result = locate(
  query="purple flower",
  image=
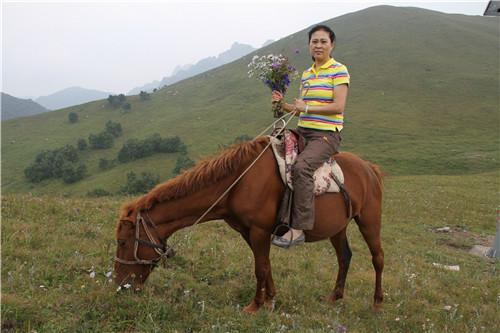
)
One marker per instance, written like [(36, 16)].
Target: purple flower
[(341, 328)]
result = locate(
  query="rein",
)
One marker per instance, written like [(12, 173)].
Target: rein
[(285, 123)]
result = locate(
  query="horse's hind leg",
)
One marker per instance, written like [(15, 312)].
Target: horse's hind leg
[(344, 254), (370, 224)]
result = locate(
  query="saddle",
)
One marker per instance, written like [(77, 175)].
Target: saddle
[(327, 178)]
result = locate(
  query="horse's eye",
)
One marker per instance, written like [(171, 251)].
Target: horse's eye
[(120, 242)]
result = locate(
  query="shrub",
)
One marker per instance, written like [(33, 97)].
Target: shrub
[(72, 117), (105, 164), (144, 95), (141, 184), (102, 140), (135, 149), (242, 138), (116, 100), (183, 163), (113, 128), (98, 192), (126, 106), (61, 162), (82, 144), (73, 172)]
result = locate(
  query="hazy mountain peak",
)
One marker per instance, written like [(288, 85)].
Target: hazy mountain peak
[(13, 107), (181, 72), (71, 96)]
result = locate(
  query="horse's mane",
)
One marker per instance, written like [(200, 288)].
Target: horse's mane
[(205, 173)]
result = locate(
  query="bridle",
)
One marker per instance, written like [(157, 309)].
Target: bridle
[(162, 249)]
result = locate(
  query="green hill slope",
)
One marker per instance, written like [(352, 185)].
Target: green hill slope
[(423, 100)]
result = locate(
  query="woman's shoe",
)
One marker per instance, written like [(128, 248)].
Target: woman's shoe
[(287, 243)]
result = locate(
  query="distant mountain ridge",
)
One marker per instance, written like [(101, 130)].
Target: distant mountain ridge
[(70, 97), (13, 107), (182, 72)]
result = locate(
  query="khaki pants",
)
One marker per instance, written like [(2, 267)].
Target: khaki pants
[(321, 145)]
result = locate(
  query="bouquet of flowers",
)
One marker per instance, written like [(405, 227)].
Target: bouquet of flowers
[(276, 73)]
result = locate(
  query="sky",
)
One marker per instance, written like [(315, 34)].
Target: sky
[(115, 46)]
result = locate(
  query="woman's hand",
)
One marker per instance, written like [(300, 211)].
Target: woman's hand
[(299, 105), (276, 96)]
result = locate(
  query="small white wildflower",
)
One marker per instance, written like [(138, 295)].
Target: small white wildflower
[(127, 285), (108, 274), (92, 274), (447, 307), (397, 319)]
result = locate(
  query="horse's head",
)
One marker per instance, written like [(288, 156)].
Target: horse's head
[(134, 261)]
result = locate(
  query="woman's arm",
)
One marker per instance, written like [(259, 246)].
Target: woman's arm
[(337, 107)]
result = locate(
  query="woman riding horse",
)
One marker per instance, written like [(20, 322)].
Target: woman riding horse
[(321, 118)]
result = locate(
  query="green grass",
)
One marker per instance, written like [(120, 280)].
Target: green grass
[(55, 242), (429, 106)]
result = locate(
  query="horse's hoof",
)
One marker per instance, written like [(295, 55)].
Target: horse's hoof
[(333, 299), (251, 308), (270, 304), (377, 307)]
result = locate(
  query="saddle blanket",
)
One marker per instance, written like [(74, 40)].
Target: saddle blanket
[(286, 151)]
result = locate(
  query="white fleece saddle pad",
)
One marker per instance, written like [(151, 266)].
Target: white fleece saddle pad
[(286, 152)]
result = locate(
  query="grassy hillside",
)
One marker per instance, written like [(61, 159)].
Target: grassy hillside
[(50, 246), (423, 100)]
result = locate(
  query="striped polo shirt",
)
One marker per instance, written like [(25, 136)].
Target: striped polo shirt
[(317, 89)]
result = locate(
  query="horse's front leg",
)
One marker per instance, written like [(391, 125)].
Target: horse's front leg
[(260, 242)]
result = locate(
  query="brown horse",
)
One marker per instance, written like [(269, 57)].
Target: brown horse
[(250, 208)]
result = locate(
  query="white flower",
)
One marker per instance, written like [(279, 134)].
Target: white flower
[(92, 274), (108, 274)]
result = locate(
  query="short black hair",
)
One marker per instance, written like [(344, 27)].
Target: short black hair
[(323, 28)]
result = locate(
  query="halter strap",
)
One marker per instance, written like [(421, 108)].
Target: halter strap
[(164, 251)]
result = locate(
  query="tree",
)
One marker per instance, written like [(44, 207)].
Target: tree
[(183, 163), (73, 117), (82, 144)]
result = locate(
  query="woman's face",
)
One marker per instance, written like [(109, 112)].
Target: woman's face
[(320, 46)]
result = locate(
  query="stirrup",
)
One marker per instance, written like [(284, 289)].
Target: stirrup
[(287, 243)]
